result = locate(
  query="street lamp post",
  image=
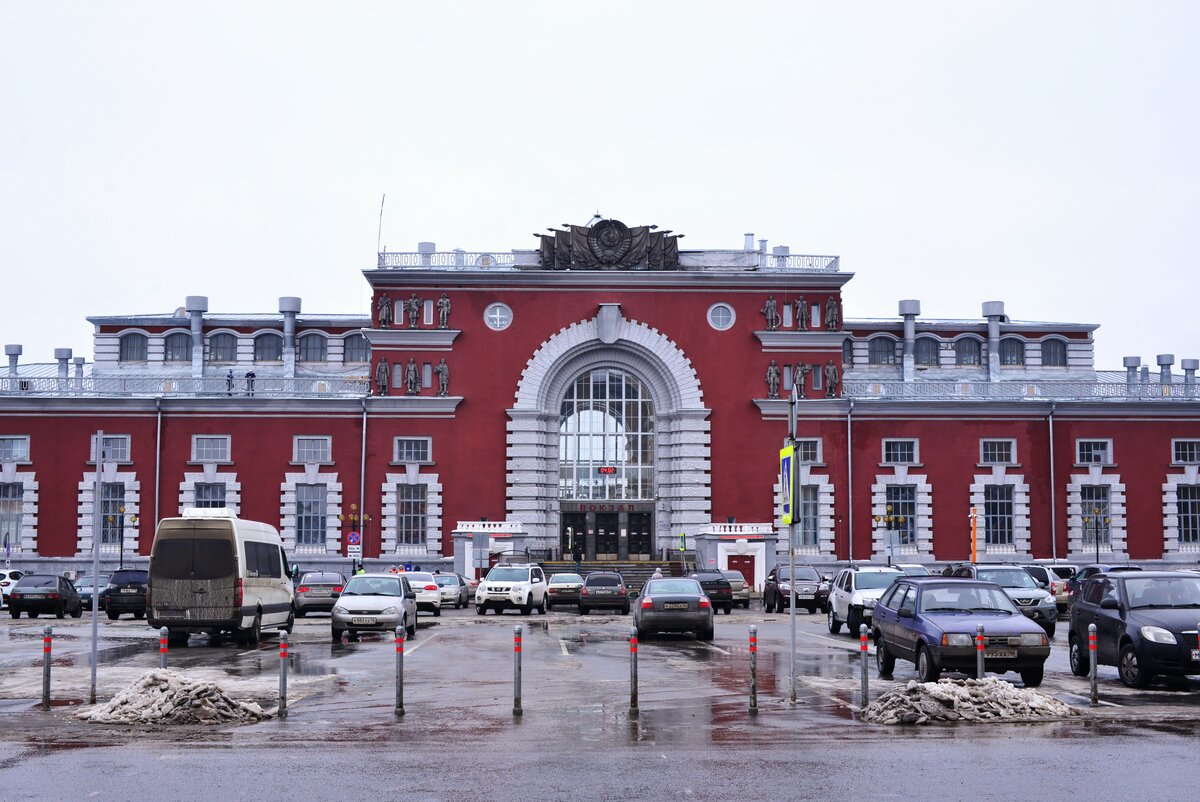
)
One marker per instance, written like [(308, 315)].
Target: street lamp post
[(1094, 522), (891, 522), (355, 521), (133, 519)]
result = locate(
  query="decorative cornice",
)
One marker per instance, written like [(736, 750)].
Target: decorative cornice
[(414, 404), (825, 340), (417, 339), (700, 281)]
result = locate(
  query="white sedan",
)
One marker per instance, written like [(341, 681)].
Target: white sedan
[(429, 595)]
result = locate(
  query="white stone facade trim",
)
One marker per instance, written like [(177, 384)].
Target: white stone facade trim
[(1021, 545), (210, 475), (312, 475), (825, 491), (1115, 549), (433, 513), (1190, 475), (26, 542), (85, 521), (922, 550)]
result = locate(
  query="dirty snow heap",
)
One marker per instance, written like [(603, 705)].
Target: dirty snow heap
[(988, 699), (164, 697)]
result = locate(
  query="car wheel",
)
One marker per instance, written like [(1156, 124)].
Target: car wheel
[(853, 622), (336, 635), (113, 616), (583, 610), (543, 607), (705, 634), (1130, 668), (1079, 657), (1032, 677), (812, 610), (885, 661), (835, 626), (139, 614), (352, 635), (480, 609), (61, 612), (15, 613), (1049, 626), (176, 639), (768, 607), (625, 610), (411, 629), (290, 624), (527, 607), (437, 611), (77, 612), (251, 636), (927, 669), (32, 614)]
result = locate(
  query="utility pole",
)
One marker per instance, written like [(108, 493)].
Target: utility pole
[(97, 522), (792, 541)]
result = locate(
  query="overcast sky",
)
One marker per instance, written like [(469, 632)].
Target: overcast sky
[(1044, 154)]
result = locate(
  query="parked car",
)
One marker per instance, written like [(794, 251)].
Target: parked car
[(811, 592), (563, 589), (1034, 602), (854, 593), (1089, 571), (375, 603), (931, 622), (44, 593), (317, 591), (741, 590), (1050, 582), (512, 586), (8, 578), (677, 604), (604, 590), (1145, 624), (717, 588), (88, 588), (126, 593), (429, 595), (454, 590)]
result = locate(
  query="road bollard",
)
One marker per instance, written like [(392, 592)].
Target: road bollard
[(633, 678), (980, 647), (1092, 663), (517, 670), (400, 671), (753, 669), (283, 668), (862, 659), (47, 645), (162, 647)]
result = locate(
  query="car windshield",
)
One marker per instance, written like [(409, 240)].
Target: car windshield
[(873, 580), (915, 570), (419, 578), (38, 582), (733, 576), (603, 581), (1008, 577), (566, 579), (445, 581), (322, 579), (372, 586), (688, 587), (964, 598), (803, 573), (508, 575), (1163, 592), (1063, 571), (129, 576)]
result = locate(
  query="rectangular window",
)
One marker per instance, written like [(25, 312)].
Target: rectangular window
[(14, 448), (312, 449), (11, 507), (1189, 513), (902, 509), (427, 374), (900, 452), (997, 452), (1187, 452), (1094, 516), (410, 514), (1089, 452), (112, 513), (116, 448), (411, 449), (808, 451), (428, 310), (210, 448), (998, 514), (210, 494), (310, 515), (807, 508)]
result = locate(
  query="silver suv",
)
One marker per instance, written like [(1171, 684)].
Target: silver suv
[(854, 593), (519, 586), (1021, 588)]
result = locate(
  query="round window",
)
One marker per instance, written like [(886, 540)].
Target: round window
[(721, 316), (498, 317)]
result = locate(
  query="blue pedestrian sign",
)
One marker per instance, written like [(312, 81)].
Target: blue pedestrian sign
[(354, 539), (787, 458)]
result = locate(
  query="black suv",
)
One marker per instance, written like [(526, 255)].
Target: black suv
[(126, 593), (44, 593), (603, 589), (717, 588), (811, 592)]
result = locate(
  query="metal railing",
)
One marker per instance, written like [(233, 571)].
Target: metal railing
[(823, 264), (267, 387), (1017, 390), (446, 259)]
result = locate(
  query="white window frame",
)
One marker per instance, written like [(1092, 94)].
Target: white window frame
[(1175, 461), (723, 307), (23, 438), (125, 444), (1189, 520), (1012, 453), (916, 445), (428, 441), (319, 518), (328, 449), (504, 316), (818, 459), (419, 533), (1108, 462), (198, 460), (990, 532), (224, 493)]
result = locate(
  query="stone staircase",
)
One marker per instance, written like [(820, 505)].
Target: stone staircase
[(634, 573)]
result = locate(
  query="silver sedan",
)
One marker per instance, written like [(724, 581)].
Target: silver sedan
[(374, 603)]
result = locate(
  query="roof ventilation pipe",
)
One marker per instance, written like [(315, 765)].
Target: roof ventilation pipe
[(1131, 363), (1190, 366), (14, 356), (63, 355), (909, 310), (79, 366), (289, 307), (994, 312), (196, 306), (749, 242)]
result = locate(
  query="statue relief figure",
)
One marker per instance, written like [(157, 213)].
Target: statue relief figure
[(800, 376), (832, 315), (832, 376), (413, 307), (383, 376), (801, 309), (773, 380), (384, 305), (443, 373), (443, 307), (412, 378), (771, 312)]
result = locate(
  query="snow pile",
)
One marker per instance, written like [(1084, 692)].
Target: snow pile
[(164, 697), (963, 700)]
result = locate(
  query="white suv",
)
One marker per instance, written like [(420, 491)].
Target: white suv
[(521, 587), (854, 593)]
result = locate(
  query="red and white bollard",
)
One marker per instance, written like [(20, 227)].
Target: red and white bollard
[(283, 669), (162, 647), (633, 677), (1092, 663), (980, 647), (517, 670), (753, 668), (400, 670), (862, 659), (47, 650)]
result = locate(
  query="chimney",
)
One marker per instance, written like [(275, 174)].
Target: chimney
[(14, 355), (909, 311), (78, 366), (994, 312), (196, 306), (289, 307), (63, 355), (1131, 363), (1165, 361), (749, 242), (1144, 372), (1190, 366)]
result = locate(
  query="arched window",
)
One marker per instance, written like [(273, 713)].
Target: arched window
[(881, 351), (1012, 351), (355, 349), (177, 347), (606, 438), (268, 348), (847, 352), (222, 348), (1054, 353), (926, 351), (133, 347), (312, 348), (967, 352)]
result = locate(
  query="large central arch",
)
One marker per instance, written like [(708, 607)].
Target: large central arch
[(682, 453)]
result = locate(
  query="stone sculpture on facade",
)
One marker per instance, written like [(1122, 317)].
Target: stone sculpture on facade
[(384, 305), (443, 308), (412, 378), (413, 307), (801, 309), (773, 380), (833, 318), (800, 376), (771, 312), (383, 377), (443, 373), (832, 377)]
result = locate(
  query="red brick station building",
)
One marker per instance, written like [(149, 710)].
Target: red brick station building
[(603, 391)]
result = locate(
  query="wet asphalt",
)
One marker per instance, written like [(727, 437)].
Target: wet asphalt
[(692, 737)]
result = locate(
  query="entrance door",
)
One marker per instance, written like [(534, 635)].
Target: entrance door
[(572, 532), (607, 535), (745, 564), (641, 543)]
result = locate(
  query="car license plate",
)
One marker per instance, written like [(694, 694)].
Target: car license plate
[(363, 621), (675, 605), (318, 593), (129, 590), (1000, 653), (804, 595), (35, 595), (602, 592)]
